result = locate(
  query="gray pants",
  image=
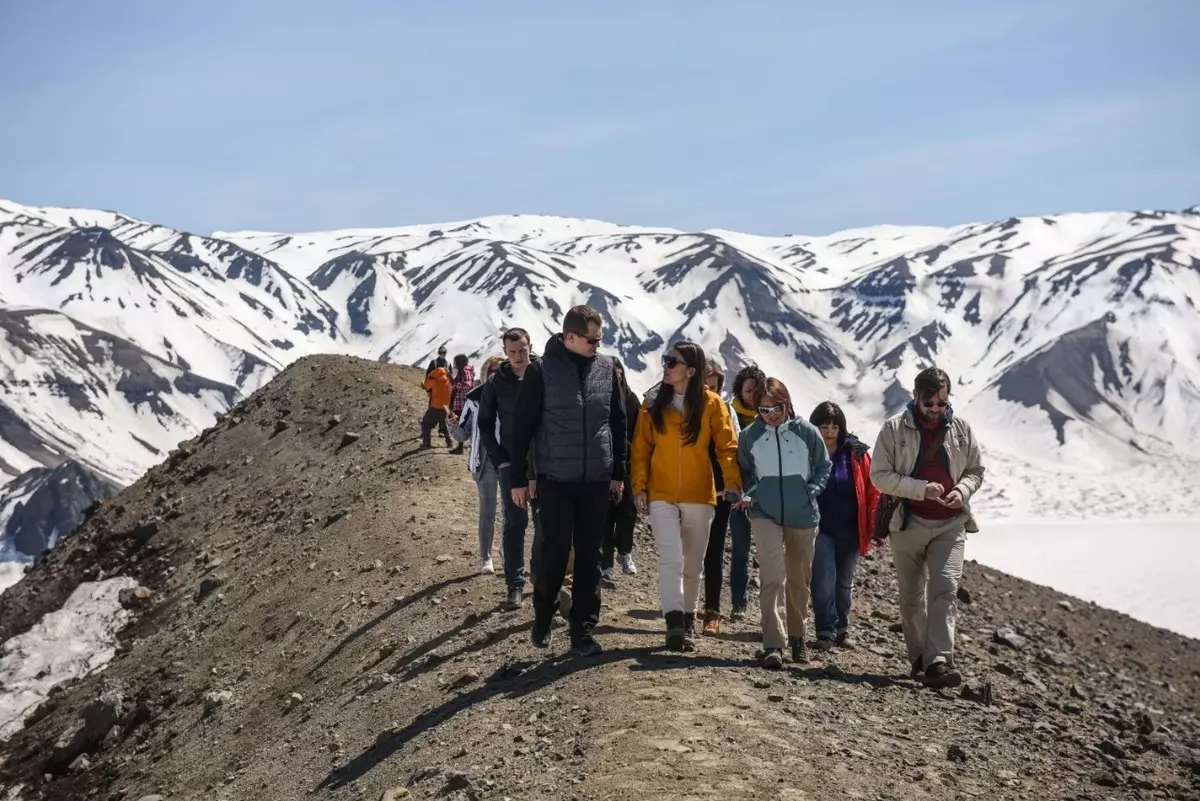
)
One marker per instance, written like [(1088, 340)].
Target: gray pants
[(488, 485), (928, 556)]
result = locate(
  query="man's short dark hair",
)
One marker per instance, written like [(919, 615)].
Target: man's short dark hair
[(930, 382), (577, 320), (516, 335)]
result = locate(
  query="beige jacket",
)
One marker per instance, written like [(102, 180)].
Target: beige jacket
[(895, 456)]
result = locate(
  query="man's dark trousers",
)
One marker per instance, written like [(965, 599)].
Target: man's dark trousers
[(573, 514)]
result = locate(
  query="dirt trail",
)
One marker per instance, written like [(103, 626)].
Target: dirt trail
[(317, 629)]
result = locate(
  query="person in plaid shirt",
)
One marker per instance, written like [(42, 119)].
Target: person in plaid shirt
[(462, 383)]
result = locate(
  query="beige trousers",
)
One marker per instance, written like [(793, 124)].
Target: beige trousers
[(785, 557), (928, 556)]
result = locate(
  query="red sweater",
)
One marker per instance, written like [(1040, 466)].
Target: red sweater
[(934, 468)]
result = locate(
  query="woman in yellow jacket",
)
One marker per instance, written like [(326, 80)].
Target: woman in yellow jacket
[(673, 479)]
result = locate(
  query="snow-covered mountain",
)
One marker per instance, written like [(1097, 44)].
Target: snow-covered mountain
[(42, 505), (1073, 339)]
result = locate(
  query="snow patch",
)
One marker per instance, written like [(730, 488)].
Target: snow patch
[(65, 645), (1143, 568), (10, 574)]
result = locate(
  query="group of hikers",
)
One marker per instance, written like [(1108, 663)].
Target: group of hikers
[(562, 439)]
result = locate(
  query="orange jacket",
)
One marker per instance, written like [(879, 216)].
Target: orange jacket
[(667, 469), (438, 382)]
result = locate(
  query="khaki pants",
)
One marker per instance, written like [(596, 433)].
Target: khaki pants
[(681, 534), (785, 557), (928, 556)]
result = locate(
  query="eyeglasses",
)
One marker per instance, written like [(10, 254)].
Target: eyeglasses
[(593, 341), (670, 362), (767, 411)]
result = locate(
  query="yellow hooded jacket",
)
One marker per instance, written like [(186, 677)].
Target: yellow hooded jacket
[(667, 469)]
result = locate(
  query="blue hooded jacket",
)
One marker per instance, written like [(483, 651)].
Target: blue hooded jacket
[(784, 469)]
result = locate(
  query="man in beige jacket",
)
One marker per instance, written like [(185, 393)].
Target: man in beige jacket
[(930, 459)]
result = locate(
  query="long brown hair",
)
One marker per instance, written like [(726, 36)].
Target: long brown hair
[(777, 389), (693, 398)]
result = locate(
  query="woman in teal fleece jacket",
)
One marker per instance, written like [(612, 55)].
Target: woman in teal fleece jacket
[(784, 465)]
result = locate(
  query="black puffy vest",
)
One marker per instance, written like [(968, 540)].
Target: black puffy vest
[(574, 440)]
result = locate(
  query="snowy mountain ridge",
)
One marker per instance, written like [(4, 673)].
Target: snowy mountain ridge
[(1073, 339)]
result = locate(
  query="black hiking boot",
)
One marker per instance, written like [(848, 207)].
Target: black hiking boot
[(586, 646), (843, 640), (773, 659), (689, 632), (918, 668), (824, 644), (541, 635), (738, 614), (675, 631), (799, 651), (515, 598), (939, 675)]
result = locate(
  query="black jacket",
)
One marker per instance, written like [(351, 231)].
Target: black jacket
[(571, 444), (499, 399), (633, 407)]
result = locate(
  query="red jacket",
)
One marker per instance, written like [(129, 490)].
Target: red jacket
[(866, 495)]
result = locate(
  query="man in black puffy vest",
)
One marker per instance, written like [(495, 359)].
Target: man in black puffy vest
[(572, 408)]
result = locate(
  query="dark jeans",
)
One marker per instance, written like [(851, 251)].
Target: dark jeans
[(714, 557), (739, 566), (573, 514), (434, 417), (618, 532), (512, 542), (834, 559)]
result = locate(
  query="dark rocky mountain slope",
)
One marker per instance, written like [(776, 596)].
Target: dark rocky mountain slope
[(315, 628)]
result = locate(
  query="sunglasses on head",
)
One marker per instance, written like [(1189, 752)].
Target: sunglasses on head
[(766, 411), (671, 362), (593, 341)]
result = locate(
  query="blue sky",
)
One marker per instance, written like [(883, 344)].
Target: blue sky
[(767, 117)]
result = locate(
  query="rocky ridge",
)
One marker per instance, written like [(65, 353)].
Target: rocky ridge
[(309, 623)]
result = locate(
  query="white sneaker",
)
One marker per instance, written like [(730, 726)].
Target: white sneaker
[(627, 565), (606, 574), (486, 566)]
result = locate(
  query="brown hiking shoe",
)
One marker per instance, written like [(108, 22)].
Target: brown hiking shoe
[(940, 675), (712, 623)]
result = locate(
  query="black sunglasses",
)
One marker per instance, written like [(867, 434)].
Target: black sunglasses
[(670, 362), (593, 341)]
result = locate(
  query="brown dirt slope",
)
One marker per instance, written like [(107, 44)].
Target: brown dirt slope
[(317, 629)]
